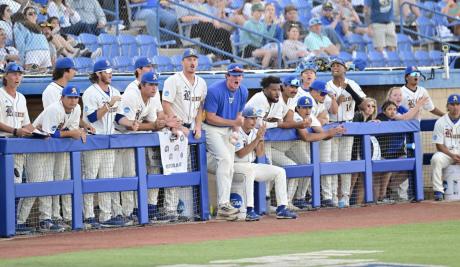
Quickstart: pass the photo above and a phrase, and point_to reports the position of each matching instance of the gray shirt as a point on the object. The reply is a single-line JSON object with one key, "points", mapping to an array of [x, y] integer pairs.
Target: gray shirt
{"points": [[89, 10]]}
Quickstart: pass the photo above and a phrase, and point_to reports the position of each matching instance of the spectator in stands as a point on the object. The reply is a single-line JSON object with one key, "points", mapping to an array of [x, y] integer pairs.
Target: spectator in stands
{"points": [[451, 8], [350, 18], [161, 11], [91, 13], [7, 53], [46, 30], [445, 136], [379, 14], [253, 41], [291, 17], [69, 19], [317, 42], [409, 13], [208, 30], [217, 9], [292, 47], [247, 7], [6, 24], [31, 43], [333, 20]]}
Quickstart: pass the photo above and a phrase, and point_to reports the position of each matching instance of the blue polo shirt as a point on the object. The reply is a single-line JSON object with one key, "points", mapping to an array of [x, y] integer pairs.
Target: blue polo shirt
{"points": [[223, 102], [381, 10]]}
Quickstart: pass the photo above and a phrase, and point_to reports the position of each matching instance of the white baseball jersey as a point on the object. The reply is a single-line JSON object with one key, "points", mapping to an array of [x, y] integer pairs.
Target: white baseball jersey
{"points": [[185, 98], [55, 118], [346, 110], [134, 86], [274, 110], [133, 107], [13, 110], [93, 99], [447, 133], [245, 139], [317, 108], [314, 121], [291, 103], [410, 98], [51, 94]]}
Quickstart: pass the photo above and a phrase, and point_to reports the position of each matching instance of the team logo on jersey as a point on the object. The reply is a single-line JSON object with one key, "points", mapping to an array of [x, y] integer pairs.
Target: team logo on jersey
{"points": [[86, 108], [126, 110], [166, 93], [176, 148], [9, 111], [166, 148], [236, 200]]}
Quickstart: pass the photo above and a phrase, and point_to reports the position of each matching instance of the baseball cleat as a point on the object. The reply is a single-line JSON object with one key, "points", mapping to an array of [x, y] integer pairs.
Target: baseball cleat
{"points": [[91, 223], [227, 210], [251, 216], [327, 203], [300, 203], [283, 213], [23, 229], [48, 226], [113, 222], [438, 196]]}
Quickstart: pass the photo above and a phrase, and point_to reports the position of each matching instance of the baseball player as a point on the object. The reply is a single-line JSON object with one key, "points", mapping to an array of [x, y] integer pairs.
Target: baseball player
{"points": [[140, 109], [101, 103], [183, 96], [348, 94], [59, 120], [223, 105], [412, 92], [446, 136], [63, 72], [14, 120], [250, 145]]}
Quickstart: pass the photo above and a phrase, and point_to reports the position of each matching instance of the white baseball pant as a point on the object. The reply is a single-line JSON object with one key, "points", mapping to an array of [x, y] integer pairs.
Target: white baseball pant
{"points": [[19, 160], [440, 161], [39, 168], [125, 166], [62, 172], [327, 190], [341, 151], [222, 156], [100, 164], [262, 173], [153, 167]]}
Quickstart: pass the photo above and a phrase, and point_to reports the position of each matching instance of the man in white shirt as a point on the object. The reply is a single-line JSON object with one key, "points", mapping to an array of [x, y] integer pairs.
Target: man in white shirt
{"points": [[14, 120], [250, 145], [348, 94], [446, 136]]}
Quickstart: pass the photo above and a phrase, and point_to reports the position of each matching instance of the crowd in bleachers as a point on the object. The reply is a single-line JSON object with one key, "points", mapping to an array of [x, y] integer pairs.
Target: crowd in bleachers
{"points": [[36, 33]]}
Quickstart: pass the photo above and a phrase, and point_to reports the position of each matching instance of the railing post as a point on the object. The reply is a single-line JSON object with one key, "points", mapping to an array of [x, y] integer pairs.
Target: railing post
{"points": [[368, 173], [7, 196], [117, 16], [141, 172], [316, 177], [77, 197], [418, 169], [204, 201]]}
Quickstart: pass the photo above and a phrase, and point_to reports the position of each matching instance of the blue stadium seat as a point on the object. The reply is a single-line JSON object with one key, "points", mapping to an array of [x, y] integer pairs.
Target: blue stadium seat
{"points": [[128, 45], [376, 59], [109, 45], [204, 63], [177, 62], [147, 45], [123, 64], [426, 26], [393, 59], [361, 55], [345, 56], [236, 4], [89, 40], [408, 58], [404, 42], [83, 64], [437, 57], [304, 11], [357, 39], [423, 58], [368, 41], [284, 3], [163, 63]]}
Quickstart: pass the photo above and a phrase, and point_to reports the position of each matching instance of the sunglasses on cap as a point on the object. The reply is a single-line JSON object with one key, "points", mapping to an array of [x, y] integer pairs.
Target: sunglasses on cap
{"points": [[415, 74], [295, 83], [14, 68], [108, 71]]}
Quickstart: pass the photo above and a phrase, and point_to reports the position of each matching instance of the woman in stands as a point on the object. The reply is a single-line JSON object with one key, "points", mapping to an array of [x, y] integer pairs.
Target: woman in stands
{"points": [[69, 19], [6, 24], [31, 43], [293, 48], [7, 53]]}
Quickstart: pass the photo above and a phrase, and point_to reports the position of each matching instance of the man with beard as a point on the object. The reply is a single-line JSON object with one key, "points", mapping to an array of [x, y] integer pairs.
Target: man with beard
{"points": [[223, 105], [348, 94]]}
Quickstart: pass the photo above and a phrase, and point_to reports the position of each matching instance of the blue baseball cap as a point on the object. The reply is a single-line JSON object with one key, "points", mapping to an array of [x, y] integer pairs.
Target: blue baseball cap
{"points": [[235, 69], [250, 112], [453, 99], [411, 69], [189, 52], [142, 62], [65, 63], [102, 65], [319, 86], [291, 80], [305, 102], [150, 77], [338, 61], [71, 91], [13, 67], [314, 21]]}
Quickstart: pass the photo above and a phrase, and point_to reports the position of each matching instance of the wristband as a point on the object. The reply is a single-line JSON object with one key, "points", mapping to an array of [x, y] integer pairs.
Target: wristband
{"points": [[15, 132]]}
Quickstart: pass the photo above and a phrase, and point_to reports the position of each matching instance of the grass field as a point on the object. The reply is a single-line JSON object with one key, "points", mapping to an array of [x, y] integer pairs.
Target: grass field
{"points": [[433, 244]]}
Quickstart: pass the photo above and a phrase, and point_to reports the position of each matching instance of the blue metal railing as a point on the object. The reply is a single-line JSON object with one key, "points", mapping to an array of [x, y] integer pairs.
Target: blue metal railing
{"points": [[405, 29]]}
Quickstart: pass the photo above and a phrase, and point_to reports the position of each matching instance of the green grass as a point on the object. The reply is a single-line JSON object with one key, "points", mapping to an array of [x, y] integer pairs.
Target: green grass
{"points": [[436, 243]]}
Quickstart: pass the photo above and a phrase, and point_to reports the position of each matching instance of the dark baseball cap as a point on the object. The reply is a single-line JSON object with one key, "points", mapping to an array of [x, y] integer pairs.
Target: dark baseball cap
{"points": [[328, 6]]}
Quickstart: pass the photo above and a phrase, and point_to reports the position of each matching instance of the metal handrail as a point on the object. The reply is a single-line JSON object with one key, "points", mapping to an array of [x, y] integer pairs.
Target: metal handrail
{"points": [[406, 29], [278, 43]]}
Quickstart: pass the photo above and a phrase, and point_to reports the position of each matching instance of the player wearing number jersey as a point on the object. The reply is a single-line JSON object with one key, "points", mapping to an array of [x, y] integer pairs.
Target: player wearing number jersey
{"points": [[446, 136], [412, 92], [59, 120], [348, 94]]}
